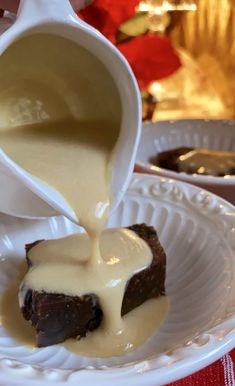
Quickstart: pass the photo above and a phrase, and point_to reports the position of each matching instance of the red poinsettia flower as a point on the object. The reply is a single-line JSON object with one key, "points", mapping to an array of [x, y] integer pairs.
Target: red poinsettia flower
{"points": [[152, 57], [107, 15]]}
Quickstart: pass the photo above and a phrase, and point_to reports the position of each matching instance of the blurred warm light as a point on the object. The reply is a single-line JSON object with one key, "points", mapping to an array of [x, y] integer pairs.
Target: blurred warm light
{"points": [[161, 6], [208, 36], [188, 94], [205, 85]]}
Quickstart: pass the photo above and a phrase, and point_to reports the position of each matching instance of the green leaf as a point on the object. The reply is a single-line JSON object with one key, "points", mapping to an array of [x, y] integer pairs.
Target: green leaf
{"points": [[137, 25]]}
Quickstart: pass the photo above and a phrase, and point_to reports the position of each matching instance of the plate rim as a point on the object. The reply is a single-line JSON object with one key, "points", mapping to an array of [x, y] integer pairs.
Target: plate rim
{"points": [[143, 370]]}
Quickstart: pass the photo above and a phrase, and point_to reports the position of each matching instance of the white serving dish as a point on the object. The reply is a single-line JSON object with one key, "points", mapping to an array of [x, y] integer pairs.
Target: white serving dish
{"points": [[57, 17], [198, 133], [197, 230]]}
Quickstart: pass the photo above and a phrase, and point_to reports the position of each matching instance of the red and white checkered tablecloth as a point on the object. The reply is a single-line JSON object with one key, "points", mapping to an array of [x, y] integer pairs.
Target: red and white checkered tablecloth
{"points": [[220, 373]]}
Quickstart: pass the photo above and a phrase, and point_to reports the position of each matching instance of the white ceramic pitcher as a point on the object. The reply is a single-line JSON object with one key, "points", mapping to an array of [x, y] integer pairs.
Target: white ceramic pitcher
{"points": [[23, 195]]}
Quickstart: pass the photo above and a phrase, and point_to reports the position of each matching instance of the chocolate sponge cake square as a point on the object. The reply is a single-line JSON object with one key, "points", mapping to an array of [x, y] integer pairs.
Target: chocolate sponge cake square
{"points": [[57, 317]]}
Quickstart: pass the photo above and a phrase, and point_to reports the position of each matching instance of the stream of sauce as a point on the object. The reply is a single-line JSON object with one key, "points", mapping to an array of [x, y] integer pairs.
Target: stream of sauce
{"points": [[73, 153]]}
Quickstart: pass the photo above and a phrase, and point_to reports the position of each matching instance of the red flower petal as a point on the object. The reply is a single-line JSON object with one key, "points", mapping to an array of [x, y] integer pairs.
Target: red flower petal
{"points": [[107, 15], [151, 57]]}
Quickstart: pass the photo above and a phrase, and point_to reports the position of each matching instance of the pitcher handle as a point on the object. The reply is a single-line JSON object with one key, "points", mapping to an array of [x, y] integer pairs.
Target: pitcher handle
{"points": [[45, 10], [33, 12], [6, 21]]}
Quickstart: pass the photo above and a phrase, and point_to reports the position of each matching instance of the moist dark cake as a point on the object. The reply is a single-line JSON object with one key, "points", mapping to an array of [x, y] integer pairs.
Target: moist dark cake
{"points": [[170, 159], [196, 161], [57, 317]]}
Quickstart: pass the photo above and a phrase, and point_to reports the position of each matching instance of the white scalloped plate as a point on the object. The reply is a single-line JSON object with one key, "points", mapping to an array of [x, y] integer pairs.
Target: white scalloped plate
{"points": [[197, 230]]}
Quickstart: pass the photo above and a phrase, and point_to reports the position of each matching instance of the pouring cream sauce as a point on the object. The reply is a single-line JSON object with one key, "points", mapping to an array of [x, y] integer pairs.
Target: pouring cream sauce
{"points": [[60, 121]]}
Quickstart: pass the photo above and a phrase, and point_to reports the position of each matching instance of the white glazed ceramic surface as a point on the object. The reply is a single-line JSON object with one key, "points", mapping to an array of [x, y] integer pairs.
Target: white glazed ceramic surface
{"points": [[197, 230], [166, 135], [57, 17]]}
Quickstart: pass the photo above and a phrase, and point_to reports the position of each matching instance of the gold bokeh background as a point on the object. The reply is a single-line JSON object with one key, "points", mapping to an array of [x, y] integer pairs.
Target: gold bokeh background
{"points": [[205, 86]]}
